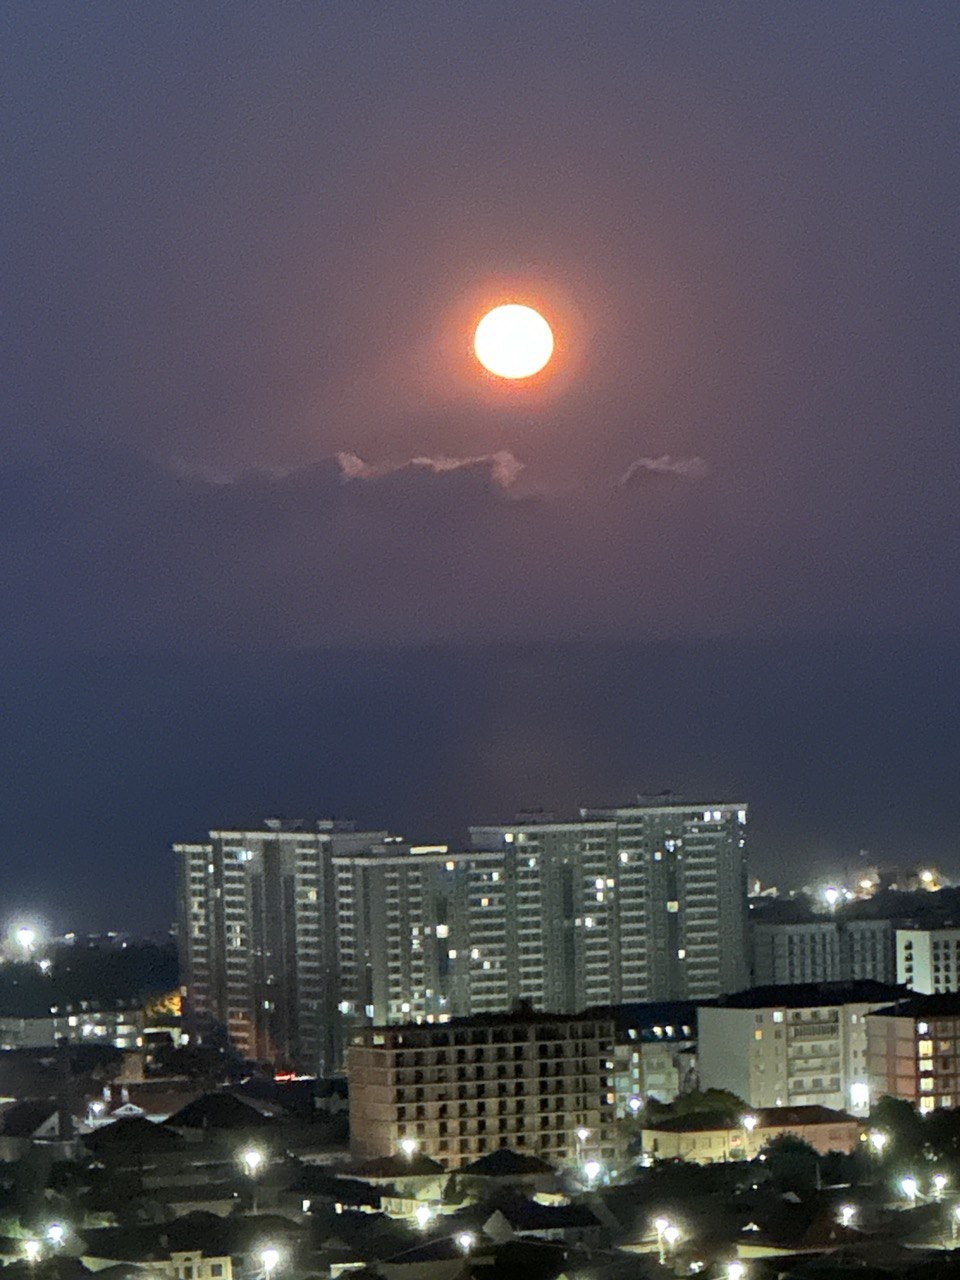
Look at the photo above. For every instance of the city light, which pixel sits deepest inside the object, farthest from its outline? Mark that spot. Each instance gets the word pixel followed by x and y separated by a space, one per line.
pixel 26 938
pixel 592 1171
pixel 582 1134
pixel 56 1232
pixel 660 1226
pixel 635 1104
pixel 252 1160
pixel 466 1240
pixel 423 1215
pixel 831 896
pixel 939 1183
pixel 735 1270
pixel 270 1257
pixel 749 1123
pixel 32 1249
pixel 847 1214
pixel 878 1141
pixel 409 1147
pixel 671 1235
pixel 909 1187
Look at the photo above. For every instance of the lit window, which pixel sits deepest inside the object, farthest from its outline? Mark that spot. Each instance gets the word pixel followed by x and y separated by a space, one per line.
pixel 658 856
pixel 508 837
pixel 682 953
pixel 922 1028
pixel 588 922
pixel 442 930
pixel 673 906
pixel 758 1035
pixel 450 866
pixel 926 1084
pixel 925 1049
pixel 778 1015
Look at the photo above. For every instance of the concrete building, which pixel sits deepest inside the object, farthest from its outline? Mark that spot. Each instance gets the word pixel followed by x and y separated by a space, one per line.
pixel 121 1026
pixel 258 938
pixel 643 902
pixel 539 1084
pixel 655 1053
pixel 928 960
pixel 792 1046
pixel 822 949
pixel 291 937
pixel 698 1139
pixel 913 1051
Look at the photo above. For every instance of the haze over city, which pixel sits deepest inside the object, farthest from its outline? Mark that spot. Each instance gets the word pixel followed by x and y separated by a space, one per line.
pixel 270 541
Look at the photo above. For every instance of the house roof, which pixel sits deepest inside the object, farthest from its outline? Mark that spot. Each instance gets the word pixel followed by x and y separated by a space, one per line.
pixel 23 1119
pixel 134 1134
pixel 506 1163
pixel 811 995
pixel 222 1111
pixel 767 1118
pixel 399 1166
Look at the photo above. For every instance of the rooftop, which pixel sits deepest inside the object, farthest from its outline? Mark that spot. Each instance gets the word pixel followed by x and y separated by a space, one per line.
pixel 808 995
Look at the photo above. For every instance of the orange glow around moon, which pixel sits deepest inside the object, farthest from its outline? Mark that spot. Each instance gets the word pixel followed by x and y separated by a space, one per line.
pixel 513 341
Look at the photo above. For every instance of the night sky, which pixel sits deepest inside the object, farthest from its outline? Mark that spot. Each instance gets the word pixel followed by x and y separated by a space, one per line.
pixel 269 542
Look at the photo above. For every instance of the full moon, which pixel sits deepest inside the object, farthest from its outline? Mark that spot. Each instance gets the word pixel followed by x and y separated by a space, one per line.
pixel 513 341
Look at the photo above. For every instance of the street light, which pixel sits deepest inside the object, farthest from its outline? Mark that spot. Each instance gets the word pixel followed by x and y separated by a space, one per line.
pixel 423 1215
pixel 55 1233
pixel 270 1257
pixel 735 1270
pixel 635 1104
pixel 252 1160
pixel 909 1188
pixel 466 1240
pixel 660 1225
pixel 878 1141
pixel 26 938
pixel 32 1249
pixel 409 1147
pixel 671 1235
pixel 749 1123
pixel 939 1182
pixel 847 1214
pixel 591 1171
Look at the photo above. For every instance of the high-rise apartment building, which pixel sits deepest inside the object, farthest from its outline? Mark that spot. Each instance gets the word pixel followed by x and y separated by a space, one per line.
pixel 643 902
pixel 258 938
pixel 913 1050
pixel 290 935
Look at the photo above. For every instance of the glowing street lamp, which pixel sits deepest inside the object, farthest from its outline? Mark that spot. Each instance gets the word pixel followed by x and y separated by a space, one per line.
pixel 466 1240
pixel 252 1160
pixel 592 1171
pixel 831 896
pixel 735 1270
pixel 26 938
pixel 270 1257
pixel 749 1123
pixel 56 1232
pixel 847 1214
pixel 878 1141
pixel 409 1147
pixel 671 1236
pixel 939 1183
pixel 32 1249
pixel 423 1215
pixel 635 1105
pixel 660 1225
pixel 909 1188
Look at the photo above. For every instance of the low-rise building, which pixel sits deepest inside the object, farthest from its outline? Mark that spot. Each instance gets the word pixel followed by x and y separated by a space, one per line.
pixel 703 1139
pixel 913 1051
pixel 792 1046
pixel 928 960
pixel 541 1084
pixel 119 1025
pixel 655 1054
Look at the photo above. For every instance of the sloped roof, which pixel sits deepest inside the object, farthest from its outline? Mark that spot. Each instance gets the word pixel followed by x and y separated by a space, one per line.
pixel 506 1163
pixel 23 1119
pixel 221 1111
pixel 132 1134
pixel 398 1166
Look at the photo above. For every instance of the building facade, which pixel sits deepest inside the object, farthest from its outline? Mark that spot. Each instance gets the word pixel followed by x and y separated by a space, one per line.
pixel 913 1051
pixel 696 1139
pixel 792 1046
pixel 538 1084
pixel 928 960
pixel 258 939
pixel 823 950
pixel 644 902
pixel 292 937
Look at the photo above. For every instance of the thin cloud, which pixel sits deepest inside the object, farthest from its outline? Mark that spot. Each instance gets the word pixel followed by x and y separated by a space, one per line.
pixel 504 466
pixel 688 468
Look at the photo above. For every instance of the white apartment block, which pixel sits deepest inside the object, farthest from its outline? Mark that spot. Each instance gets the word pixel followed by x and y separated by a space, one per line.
pixel 792 1046
pixel 928 960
